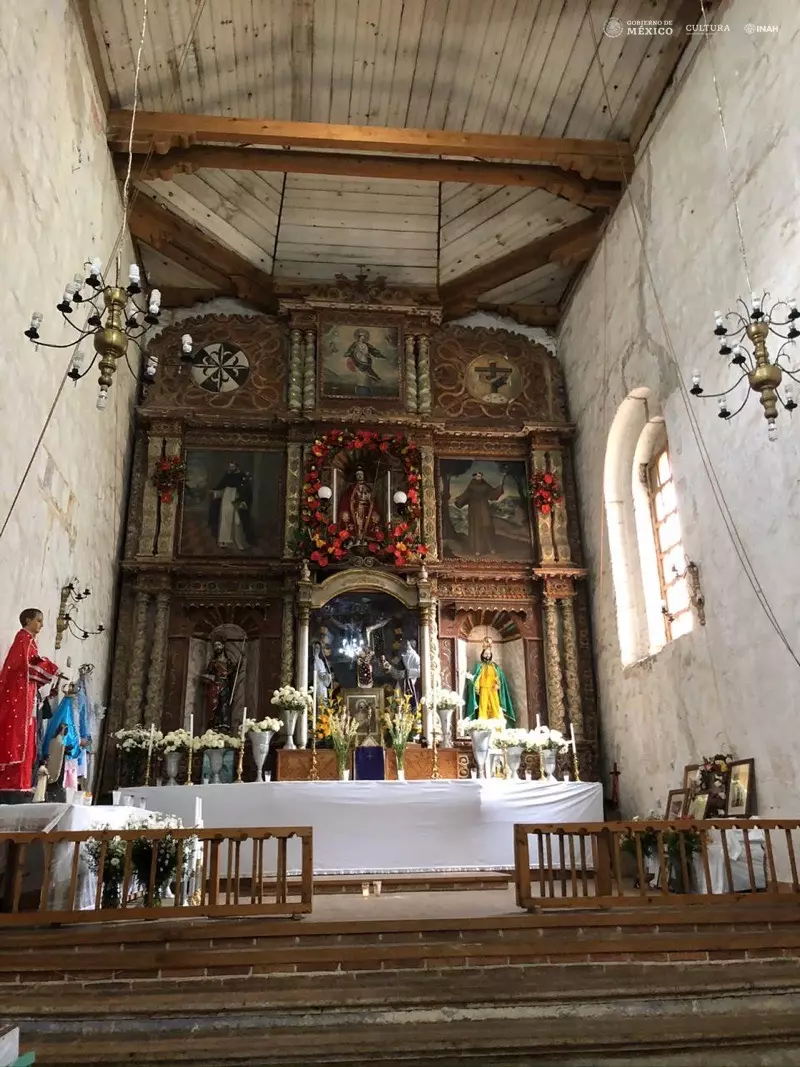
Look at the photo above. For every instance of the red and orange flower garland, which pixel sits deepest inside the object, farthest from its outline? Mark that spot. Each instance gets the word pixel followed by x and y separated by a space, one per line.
pixel 324 539
pixel 546 491
pixel 168 476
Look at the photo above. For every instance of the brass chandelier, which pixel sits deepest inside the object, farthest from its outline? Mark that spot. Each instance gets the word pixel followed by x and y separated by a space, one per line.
pixel 764 373
pixel 112 323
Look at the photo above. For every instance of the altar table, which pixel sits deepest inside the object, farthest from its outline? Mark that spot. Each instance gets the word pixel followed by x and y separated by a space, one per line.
pixel 390 827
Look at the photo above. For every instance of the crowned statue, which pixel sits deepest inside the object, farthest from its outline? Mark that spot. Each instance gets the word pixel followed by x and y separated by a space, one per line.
pixel 488 695
pixel 358 511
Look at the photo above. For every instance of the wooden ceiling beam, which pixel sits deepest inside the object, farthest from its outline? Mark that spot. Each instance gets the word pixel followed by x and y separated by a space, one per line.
pixel 569 186
pixel 230 274
pixel 566 247
pixel 166 130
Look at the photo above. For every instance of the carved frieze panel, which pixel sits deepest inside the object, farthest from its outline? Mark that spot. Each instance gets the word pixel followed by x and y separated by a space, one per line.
pixel 238 364
pixel 494 375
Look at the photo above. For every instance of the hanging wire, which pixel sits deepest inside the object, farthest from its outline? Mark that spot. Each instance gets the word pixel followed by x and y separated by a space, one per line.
pixel 127 205
pixel 705 456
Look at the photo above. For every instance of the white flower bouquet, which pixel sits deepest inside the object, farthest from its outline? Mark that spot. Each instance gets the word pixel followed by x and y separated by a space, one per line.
pixel 263 726
pixel 137 737
pixel 291 699
pixel 177 741
pixel 468 726
pixel 215 739
pixel 545 738
pixel 445 698
pixel 510 739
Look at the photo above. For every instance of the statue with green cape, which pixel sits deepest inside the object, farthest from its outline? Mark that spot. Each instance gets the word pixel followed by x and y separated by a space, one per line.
pixel 488 695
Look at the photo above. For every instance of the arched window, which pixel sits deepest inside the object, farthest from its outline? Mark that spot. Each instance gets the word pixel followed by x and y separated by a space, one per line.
pixel 644 531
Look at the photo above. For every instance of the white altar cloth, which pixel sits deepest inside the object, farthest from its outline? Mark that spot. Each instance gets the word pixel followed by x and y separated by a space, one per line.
pixel 389 827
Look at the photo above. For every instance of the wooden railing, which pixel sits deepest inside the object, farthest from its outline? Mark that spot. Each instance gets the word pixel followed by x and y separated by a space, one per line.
pixel 113 875
pixel 623 864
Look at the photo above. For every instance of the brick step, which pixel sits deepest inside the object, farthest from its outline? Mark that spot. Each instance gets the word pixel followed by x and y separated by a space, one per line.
pixel 478 1035
pixel 462 882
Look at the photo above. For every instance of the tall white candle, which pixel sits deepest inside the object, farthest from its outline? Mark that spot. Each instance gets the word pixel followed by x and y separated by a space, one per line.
pixel 244 723
pixel 335 494
pixel 538 721
pixel 191 724
pixel 388 498
pixel 152 740
pixel 572 736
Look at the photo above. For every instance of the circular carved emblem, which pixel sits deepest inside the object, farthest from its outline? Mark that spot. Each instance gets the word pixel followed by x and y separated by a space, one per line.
pixel 220 368
pixel 493 380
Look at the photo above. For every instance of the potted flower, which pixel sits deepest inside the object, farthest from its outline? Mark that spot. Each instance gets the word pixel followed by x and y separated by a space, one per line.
pixel 171 746
pixel 445 703
pixel 512 744
pixel 215 744
pixel 481 732
pixel 548 743
pixel 400 723
pixel 133 744
pixel 675 843
pixel 344 731
pixel 292 702
pixel 261 733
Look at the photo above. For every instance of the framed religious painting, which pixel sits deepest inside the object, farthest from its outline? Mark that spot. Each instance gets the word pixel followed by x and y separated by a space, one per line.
pixel 360 361
pixel 698 806
pixel 484 512
pixel 366 707
pixel 232 503
pixel 741 789
pixel 690 778
pixel 676 804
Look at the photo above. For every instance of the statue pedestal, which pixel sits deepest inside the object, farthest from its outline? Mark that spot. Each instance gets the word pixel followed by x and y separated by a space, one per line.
pixel 295 765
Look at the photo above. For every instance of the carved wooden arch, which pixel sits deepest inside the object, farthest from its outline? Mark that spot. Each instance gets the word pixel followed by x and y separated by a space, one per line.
pixel 502 622
pixel 365 580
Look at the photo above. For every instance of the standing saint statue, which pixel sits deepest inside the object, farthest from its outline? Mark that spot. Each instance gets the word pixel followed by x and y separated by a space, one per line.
pixel 323 677
pixel 405 671
pixel 23 673
pixel 480 525
pixel 357 510
pixel 229 512
pixel 219 678
pixel 488 695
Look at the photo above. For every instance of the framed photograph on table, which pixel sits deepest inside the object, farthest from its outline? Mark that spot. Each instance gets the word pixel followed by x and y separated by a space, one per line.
pixel 366 707
pixel 697 806
pixel 690 778
pixel 741 789
pixel 676 804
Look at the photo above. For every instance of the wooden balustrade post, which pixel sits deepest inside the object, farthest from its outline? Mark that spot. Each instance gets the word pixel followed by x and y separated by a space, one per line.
pixel 603 841
pixel 522 867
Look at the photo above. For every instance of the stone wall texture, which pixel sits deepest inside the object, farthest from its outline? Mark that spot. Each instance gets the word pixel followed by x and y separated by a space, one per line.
pixel 731 685
pixel 59 204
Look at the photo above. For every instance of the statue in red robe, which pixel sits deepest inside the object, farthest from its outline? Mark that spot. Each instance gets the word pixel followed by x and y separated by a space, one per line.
pixel 22 673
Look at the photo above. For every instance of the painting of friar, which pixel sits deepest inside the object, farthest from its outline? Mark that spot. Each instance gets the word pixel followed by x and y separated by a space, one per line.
pixel 485 509
pixel 232 503
pixel 360 361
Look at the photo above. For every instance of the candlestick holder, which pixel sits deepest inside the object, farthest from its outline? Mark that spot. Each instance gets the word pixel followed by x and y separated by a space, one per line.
pixel 240 764
pixel 313 774
pixel 435 771
pixel 147 767
pixel 575 769
pixel 189 756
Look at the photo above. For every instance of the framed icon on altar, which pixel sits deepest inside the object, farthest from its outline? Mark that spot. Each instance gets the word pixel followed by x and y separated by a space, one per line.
pixel 740 790
pixel 366 707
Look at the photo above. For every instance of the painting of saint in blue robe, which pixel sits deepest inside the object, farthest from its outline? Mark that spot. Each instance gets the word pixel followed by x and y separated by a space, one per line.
pixel 360 361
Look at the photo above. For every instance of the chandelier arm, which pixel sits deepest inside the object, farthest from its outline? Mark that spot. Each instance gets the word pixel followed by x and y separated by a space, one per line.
pixel 714 396
pixel 733 414
pixel 743 323
pixel 88 369
pixel 66 318
pixel 793 374
pixel 71 344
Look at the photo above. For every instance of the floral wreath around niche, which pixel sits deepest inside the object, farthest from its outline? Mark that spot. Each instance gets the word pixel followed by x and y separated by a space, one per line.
pixel 168 476
pixel 325 540
pixel 546 491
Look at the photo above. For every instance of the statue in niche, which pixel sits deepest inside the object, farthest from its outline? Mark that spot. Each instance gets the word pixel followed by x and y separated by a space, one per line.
pixel 358 511
pixel 480 529
pixel 488 695
pixel 219 680
pixel 405 670
pixel 229 512
pixel 323 676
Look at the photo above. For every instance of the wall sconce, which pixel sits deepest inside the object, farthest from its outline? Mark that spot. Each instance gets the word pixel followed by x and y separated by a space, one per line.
pixel 324 493
pixel 400 502
pixel 71 596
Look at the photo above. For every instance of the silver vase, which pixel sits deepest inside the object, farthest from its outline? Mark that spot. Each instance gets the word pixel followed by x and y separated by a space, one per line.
pixel 260 742
pixel 172 764
pixel 481 743
pixel 290 718
pixel 513 760
pixel 549 762
pixel 445 717
pixel 215 760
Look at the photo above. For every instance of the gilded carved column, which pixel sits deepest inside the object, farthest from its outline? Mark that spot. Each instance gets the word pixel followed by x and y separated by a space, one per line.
pixel 571 669
pixel 133 705
pixel 552 664
pixel 168 509
pixel 544 523
pixel 426 608
pixel 423 375
pixel 295 370
pixel 309 371
pixel 149 523
pixel 294 472
pixel 287 639
pixel 304 588
pixel 156 669
pixel 412 401
pixel 559 509
pixel 429 519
